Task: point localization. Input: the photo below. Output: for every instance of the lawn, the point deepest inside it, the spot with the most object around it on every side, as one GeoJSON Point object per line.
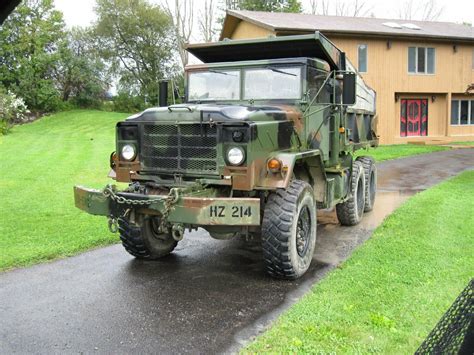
{"type": "Point", "coordinates": [467, 143]}
{"type": "Point", "coordinates": [40, 163]}
{"type": "Point", "coordinates": [394, 288]}
{"type": "Point", "coordinates": [395, 151]}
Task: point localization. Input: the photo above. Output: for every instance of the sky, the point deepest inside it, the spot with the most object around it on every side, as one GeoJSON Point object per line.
{"type": "Point", "coordinates": [81, 13]}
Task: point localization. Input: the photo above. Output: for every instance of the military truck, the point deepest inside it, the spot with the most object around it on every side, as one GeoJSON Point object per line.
{"type": "Point", "coordinates": [264, 138]}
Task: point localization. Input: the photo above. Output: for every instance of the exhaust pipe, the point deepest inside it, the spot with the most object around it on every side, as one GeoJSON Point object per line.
{"type": "Point", "coordinates": [163, 99]}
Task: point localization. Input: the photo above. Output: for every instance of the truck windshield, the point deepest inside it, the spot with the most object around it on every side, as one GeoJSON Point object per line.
{"type": "Point", "coordinates": [214, 85]}
{"type": "Point", "coordinates": [267, 83]}
{"type": "Point", "coordinates": [272, 83]}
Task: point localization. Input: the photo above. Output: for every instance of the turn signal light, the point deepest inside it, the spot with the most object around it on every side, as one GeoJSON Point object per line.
{"type": "Point", "coordinates": [274, 165]}
{"type": "Point", "coordinates": [113, 158]}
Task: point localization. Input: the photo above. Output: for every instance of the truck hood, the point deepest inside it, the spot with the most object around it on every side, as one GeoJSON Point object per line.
{"type": "Point", "coordinates": [220, 113]}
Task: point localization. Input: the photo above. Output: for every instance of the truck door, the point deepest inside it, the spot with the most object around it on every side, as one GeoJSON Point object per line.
{"type": "Point", "coordinates": [317, 124]}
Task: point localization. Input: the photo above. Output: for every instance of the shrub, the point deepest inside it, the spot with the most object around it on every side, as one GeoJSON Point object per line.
{"type": "Point", "coordinates": [125, 102]}
{"type": "Point", "coordinates": [12, 110]}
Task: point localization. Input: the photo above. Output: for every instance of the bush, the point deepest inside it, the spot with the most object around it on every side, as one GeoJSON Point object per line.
{"type": "Point", "coordinates": [125, 102]}
{"type": "Point", "coordinates": [107, 106]}
{"type": "Point", "coordinates": [12, 110]}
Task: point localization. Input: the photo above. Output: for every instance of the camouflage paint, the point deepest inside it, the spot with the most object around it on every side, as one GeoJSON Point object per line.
{"type": "Point", "coordinates": [313, 138]}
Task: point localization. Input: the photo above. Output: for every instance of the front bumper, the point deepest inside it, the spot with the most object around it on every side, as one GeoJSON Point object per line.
{"type": "Point", "coordinates": [188, 210]}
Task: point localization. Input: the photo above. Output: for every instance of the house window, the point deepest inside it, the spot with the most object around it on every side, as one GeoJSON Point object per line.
{"type": "Point", "coordinates": [362, 55]}
{"type": "Point", "coordinates": [421, 60]}
{"type": "Point", "coordinates": [454, 112]}
{"type": "Point", "coordinates": [462, 112]}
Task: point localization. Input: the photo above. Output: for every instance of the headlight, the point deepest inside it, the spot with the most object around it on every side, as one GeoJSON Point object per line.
{"type": "Point", "coordinates": [235, 156]}
{"type": "Point", "coordinates": [128, 152]}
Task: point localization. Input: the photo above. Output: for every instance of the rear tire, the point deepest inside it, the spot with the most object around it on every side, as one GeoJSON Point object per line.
{"type": "Point", "coordinates": [289, 231]}
{"type": "Point", "coordinates": [350, 212]}
{"type": "Point", "coordinates": [144, 242]}
{"type": "Point", "coordinates": [370, 171]}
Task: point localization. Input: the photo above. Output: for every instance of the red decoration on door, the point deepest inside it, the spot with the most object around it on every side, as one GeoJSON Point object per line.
{"type": "Point", "coordinates": [403, 118]}
{"type": "Point", "coordinates": [414, 117]}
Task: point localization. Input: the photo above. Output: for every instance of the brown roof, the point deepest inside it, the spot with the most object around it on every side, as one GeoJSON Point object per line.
{"type": "Point", "coordinates": [305, 23]}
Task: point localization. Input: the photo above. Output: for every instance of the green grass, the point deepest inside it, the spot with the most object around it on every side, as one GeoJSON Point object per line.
{"type": "Point", "coordinates": [39, 163]}
{"type": "Point", "coordinates": [393, 290]}
{"type": "Point", "coordinates": [470, 143]}
{"type": "Point", "coordinates": [395, 151]}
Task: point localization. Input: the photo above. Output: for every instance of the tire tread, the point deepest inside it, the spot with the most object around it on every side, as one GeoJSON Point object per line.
{"type": "Point", "coordinates": [368, 163]}
{"type": "Point", "coordinates": [132, 240]}
{"type": "Point", "coordinates": [347, 210]}
{"type": "Point", "coordinates": [276, 229]}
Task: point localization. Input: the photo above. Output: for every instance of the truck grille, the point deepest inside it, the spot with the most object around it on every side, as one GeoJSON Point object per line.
{"type": "Point", "coordinates": [179, 148]}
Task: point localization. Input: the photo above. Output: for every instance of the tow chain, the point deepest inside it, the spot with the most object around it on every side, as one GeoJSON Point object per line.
{"type": "Point", "coordinates": [168, 202]}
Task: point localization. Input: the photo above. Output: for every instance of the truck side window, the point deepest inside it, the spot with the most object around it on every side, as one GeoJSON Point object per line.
{"type": "Point", "coordinates": [316, 78]}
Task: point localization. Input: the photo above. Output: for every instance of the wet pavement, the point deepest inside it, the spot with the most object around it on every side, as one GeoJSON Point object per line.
{"type": "Point", "coordinates": [209, 296]}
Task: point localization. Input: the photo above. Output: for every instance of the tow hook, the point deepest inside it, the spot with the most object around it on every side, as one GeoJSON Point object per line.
{"type": "Point", "coordinates": [177, 232]}
{"type": "Point", "coordinates": [113, 225]}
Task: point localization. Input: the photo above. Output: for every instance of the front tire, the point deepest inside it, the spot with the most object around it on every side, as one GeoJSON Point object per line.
{"type": "Point", "coordinates": [289, 231]}
{"type": "Point", "coordinates": [145, 242]}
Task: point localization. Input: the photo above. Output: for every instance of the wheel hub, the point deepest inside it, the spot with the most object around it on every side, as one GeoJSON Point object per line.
{"type": "Point", "coordinates": [156, 232]}
{"type": "Point", "coordinates": [303, 231]}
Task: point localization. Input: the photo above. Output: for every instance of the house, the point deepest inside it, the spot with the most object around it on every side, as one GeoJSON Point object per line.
{"type": "Point", "coordinates": [423, 72]}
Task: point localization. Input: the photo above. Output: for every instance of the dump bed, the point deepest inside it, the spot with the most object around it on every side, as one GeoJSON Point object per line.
{"type": "Point", "coordinates": [365, 95]}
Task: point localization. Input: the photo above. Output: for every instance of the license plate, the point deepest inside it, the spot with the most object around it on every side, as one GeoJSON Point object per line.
{"type": "Point", "coordinates": [237, 211]}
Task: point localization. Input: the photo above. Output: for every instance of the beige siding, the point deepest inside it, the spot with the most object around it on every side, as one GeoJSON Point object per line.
{"type": "Point", "coordinates": [249, 30]}
{"type": "Point", "coordinates": [388, 74]}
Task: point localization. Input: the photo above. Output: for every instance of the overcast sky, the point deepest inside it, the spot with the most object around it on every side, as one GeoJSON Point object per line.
{"type": "Point", "coordinates": [80, 13]}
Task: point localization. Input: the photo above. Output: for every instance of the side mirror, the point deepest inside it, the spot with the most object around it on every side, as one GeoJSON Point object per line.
{"type": "Point", "coordinates": [349, 89]}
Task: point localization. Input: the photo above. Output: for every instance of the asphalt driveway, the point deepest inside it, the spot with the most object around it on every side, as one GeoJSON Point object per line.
{"type": "Point", "coordinates": [208, 296]}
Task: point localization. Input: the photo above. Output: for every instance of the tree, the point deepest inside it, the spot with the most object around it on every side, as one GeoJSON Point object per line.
{"type": "Point", "coordinates": [206, 21]}
{"type": "Point", "coordinates": [182, 16]}
{"type": "Point", "coordinates": [29, 52]}
{"type": "Point", "coordinates": [137, 38]}
{"type": "Point", "coordinates": [428, 10]}
{"type": "Point", "coordinates": [324, 7]}
{"type": "Point", "coordinates": [355, 8]}
{"type": "Point", "coordinates": [313, 7]}
{"type": "Point", "coordinates": [265, 5]}
{"type": "Point", "coordinates": [80, 74]}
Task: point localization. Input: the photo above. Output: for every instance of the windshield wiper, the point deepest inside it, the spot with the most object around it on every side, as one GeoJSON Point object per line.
{"type": "Point", "coordinates": [220, 72]}
{"type": "Point", "coordinates": [280, 71]}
